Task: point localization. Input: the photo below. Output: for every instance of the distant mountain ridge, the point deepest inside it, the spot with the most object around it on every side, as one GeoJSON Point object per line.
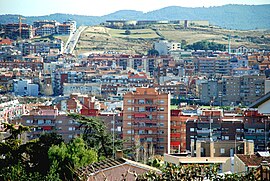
{"type": "Point", "coordinates": [244, 17]}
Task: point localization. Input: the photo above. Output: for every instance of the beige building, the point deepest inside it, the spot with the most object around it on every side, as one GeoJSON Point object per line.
{"type": "Point", "coordinates": [219, 152]}
{"type": "Point", "coordinates": [146, 120]}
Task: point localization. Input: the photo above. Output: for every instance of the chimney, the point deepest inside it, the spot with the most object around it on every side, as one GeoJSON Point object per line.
{"type": "Point", "coordinates": [119, 154]}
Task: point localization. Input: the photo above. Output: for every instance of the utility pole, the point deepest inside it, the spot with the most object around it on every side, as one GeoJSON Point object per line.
{"type": "Point", "coordinates": [113, 133]}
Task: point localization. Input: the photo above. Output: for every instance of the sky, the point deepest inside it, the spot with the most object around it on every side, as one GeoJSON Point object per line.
{"type": "Point", "coordinates": [103, 7]}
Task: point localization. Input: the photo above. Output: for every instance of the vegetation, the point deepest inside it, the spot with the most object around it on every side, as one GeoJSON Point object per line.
{"type": "Point", "coordinates": [48, 157]}
{"type": "Point", "coordinates": [96, 136]}
{"type": "Point", "coordinates": [205, 45]}
{"type": "Point", "coordinates": [71, 156]}
{"type": "Point", "coordinates": [192, 172]}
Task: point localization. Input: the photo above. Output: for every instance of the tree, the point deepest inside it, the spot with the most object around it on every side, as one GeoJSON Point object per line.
{"type": "Point", "coordinates": [96, 135]}
{"type": "Point", "coordinates": [127, 32]}
{"type": "Point", "coordinates": [36, 152]}
{"type": "Point", "coordinates": [71, 156]}
{"type": "Point", "coordinates": [10, 149]}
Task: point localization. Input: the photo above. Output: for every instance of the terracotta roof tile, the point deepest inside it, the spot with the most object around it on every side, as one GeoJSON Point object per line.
{"type": "Point", "coordinates": [252, 160]}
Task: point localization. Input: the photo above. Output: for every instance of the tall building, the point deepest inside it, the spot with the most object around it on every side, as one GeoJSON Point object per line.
{"type": "Point", "coordinates": [146, 120]}
{"type": "Point", "coordinates": [242, 89]}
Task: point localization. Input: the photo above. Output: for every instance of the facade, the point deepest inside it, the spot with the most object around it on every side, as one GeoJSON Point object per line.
{"type": "Point", "coordinates": [205, 153]}
{"type": "Point", "coordinates": [66, 28]}
{"type": "Point", "coordinates": [15, 31]}
{"type": "Point", "coordinates": [45, 30]}
{"type": "Point", "coordinates": [38, 24]}
{"type": "Point", "coordinates": [25, 87]}
{"type": "Point", "coordinates": [41, 47]}
{"type": "Point", "coordinates": [242, 89]}
{"type": "Point", "coordinates": [47, 119]}
{"type": "Point", "coordinates": [209, 91]}
{"type": "Point", "coordinates": [146, 119]}
{"type": "Point", "coordinates": [164, 47]}
{"type": "Point", "coordinates": [82, 88]}
{"type": "Point", "coordinates": [178, 131]}
{"type": "Point", "coordinates": [249, 126]}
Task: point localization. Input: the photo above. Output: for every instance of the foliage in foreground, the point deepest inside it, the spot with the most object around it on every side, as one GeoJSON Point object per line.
{"type": "Point", "coordinates": [192, 172]}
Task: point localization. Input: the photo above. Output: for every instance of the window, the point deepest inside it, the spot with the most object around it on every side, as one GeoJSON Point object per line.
{"type": "Point", "coordinates": [129, 124]}
{"type": "Point", "coordinates": [161, 109]}
{"type": "Point", "coordinates": [141, 109]}
{"type": "Point", "coordinates": [29, 121]}
{"type": "Point", "coordinates": [70, 121]}
{"type": "Point", "coordinates": [129, 131]}
{"type": "Point", "coordinates": [161, 102]}
{"type": "Point", "coordinates": [141, 101]}
{"type": "Point", "coordinates": [60, 121]}
{"type": "Point", "coordinates": [192, 129]}
{"type": "Point", "coordinates": [129, 116]}
{"type": "Point", "coordinates": [222, 150]}
{"type": "Point", "coordinates": [130, 108]}
{"type": "Point", "coordinates": [71, 128]}
{"type": "Point", "coordinates": [40, 121]}
{"type": "Point", "coordinates": [161, 124]}
{"type": "Point", "coordinates": [130, 101]}
{"type": "Point", "coordinates": [70, 136]}
{"type": "Point", "coordinates": [48, 121]}
{"type": "Point", "coordinates": [161, 116]}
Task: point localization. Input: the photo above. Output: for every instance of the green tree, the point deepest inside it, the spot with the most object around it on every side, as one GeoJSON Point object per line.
{"type": "Point", "coordinates": [10, 149]}
{"type": "Point", "coordinates": [96, 136]}
{"type": "Point", "coordinates": [36, 152]}
{"type": "Point", "coordinates": [71, 156]}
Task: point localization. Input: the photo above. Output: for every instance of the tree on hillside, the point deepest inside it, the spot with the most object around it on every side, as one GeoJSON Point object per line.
{"type": "Point", "coordinates": [205, 45]}
{"type": "Point", "coordinates": [127, 32]}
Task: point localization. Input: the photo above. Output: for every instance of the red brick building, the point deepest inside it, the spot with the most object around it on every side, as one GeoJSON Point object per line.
{"type": "Point", "coordinates": [146, 116]}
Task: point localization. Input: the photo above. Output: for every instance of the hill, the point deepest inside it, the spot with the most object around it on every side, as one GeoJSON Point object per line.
{"type": "Point", "coordinates": [101, 39]}
{"type": "Point", "coordinates": [243, 17]}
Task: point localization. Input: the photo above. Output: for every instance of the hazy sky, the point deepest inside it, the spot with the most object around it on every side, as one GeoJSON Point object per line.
{"type": "Point", "coordinates": [102, 7]}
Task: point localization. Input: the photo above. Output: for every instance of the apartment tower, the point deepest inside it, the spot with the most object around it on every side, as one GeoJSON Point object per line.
{"type": "Point", "coordinates": [146, 120]}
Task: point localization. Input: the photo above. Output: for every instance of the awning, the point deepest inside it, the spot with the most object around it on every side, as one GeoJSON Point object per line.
{"type": "Point", "coordinates": [47, 127]}
{"type": "Point", "coordinates": [139, 115]}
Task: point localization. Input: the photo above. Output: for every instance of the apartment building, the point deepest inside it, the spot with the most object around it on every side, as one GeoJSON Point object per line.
{"type": "Point", "coordinates": [249, 126]}
{"type": "Point", "coordinates": [164, 47]}
{"type": "Point", "coordinates": [209, 91]}
{"type": "Point", "coordinates": [40, 23]}
{"type": "Point", "coordinates": [15, 31]}
{"type": "Point", "coordinates": [66, 28]}
{"type": "Point", "coordinates": [178, 130]}
{"type": "Point", "coordinates": [213, 66]}
{"type": "Point", "coordinates": [44, 30]}
{"type": "Point", "coordinates": [25, 87]}
{"type": "Point", "coordinates": [47, 119]}
{"type": "Point", "coordinates": [146, 119]}
{"type": "Point", "coordinates": [242, 89]}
